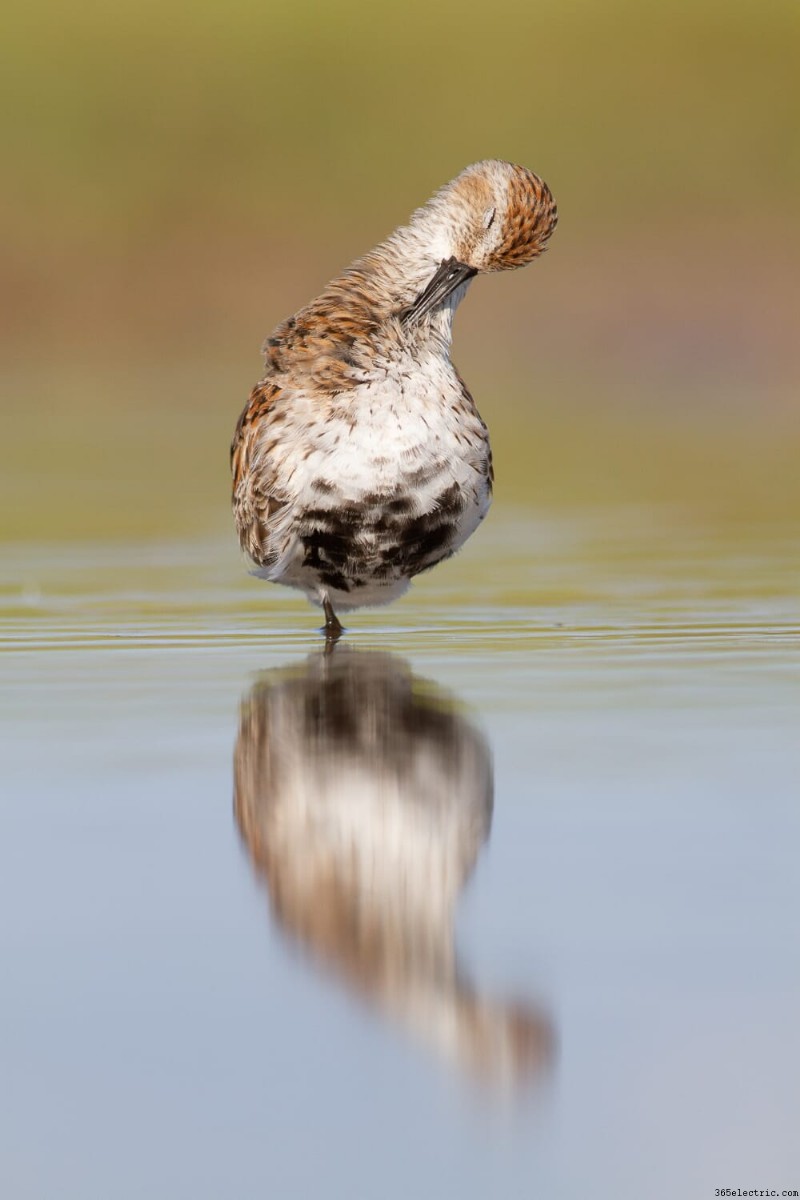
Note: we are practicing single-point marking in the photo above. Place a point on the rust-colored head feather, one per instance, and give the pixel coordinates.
(502, 215)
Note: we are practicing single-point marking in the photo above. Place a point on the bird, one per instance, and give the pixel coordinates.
(360, 459)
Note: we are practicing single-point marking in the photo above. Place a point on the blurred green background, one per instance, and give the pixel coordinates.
(179, 177)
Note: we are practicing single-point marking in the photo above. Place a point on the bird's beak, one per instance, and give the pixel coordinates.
(449, 275)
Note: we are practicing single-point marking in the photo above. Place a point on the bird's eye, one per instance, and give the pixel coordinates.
(488, 218)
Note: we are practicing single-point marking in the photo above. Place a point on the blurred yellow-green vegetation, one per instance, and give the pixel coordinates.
(180, 176)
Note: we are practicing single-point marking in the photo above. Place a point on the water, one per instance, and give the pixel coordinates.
(499, 899)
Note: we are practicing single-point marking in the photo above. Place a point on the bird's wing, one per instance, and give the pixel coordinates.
(257, 495)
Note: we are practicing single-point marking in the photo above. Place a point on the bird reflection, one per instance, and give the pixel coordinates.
(364, 798)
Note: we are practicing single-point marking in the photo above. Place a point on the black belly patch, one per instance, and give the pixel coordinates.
(355, 544)
(335, 580)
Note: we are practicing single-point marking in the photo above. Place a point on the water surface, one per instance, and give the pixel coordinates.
(501, 898)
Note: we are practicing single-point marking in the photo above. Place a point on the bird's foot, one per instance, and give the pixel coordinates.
(332, 628)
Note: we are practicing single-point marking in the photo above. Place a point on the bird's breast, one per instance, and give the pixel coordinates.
(401, 484)
(407, 429)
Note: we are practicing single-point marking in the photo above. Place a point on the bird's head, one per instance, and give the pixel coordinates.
(502, 215)
(494, 216)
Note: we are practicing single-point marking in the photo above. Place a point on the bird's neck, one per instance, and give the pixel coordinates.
(362, 313)
(395, 274)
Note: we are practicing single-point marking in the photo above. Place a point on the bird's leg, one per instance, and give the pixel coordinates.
(333, 628)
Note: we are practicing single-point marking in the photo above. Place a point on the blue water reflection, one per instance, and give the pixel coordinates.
(364, 797)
